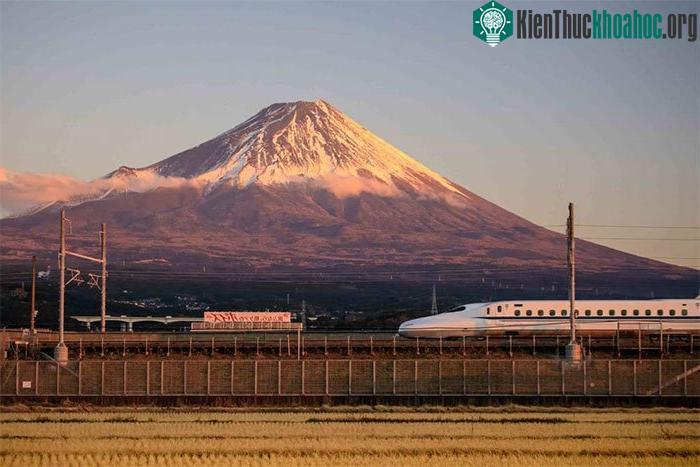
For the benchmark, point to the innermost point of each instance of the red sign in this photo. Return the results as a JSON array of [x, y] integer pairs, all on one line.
[[247, 317]]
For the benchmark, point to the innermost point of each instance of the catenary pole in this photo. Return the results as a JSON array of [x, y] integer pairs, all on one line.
[[32, 311], [62, 277], [572, 274], [103, 308], [573, 349], [61, 351]]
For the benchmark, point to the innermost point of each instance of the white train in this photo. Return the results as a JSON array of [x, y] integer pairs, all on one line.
[[527, 317]]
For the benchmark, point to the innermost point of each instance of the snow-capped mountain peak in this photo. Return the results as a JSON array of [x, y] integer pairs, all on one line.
[[291, 142]]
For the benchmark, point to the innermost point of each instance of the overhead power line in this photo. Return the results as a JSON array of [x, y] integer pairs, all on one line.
[[641, 238], [474, 272], [687, 227], [673, 257]]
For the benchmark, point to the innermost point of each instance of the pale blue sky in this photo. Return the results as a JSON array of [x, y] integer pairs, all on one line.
[[611, 125]]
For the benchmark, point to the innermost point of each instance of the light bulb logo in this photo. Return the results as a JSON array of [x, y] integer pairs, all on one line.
[[493, 23]]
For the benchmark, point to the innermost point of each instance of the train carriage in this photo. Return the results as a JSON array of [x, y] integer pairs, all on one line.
[[542, 317]]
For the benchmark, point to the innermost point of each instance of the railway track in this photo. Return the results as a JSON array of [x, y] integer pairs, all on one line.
[[339, 344]]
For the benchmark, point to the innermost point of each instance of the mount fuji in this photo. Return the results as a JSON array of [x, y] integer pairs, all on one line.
[[302, 187], [300, 142]]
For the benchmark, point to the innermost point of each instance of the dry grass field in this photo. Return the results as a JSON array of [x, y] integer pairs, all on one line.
[[350, 436]]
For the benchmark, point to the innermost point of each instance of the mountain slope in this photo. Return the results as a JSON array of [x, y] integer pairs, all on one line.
[[301, 186]]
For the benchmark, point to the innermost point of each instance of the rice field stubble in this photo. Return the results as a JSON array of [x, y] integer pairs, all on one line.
[[350, 437]]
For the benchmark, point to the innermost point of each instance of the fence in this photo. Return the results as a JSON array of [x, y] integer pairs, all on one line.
[[351, 377]]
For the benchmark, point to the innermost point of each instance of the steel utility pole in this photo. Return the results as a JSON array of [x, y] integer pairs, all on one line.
[[32, 311], [572, 273], [61, 351], [573, 349], [103, 298]]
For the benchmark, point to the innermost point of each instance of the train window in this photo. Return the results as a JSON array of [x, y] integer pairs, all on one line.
[[588, 312], [529, 312], [458, 308], [499, 308], [672, 312], [611, 312], [623, 312], [647, 312], [552, 312], [517, 312], [684, 312], [540, 312], [599, 312], [488, 310], [563, 312], [659, 312], [636, 312]]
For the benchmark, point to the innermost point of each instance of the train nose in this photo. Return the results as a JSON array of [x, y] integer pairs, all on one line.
[[407, 329], [420, 327], [432, 328]]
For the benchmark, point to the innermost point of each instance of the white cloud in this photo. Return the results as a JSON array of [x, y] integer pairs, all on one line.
[[20, 191], [349, 186]]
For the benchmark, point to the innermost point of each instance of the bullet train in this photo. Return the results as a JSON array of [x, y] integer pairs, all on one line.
[[527, 317]]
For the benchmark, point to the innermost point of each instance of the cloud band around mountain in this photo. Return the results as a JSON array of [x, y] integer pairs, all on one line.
[[20, 191]]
